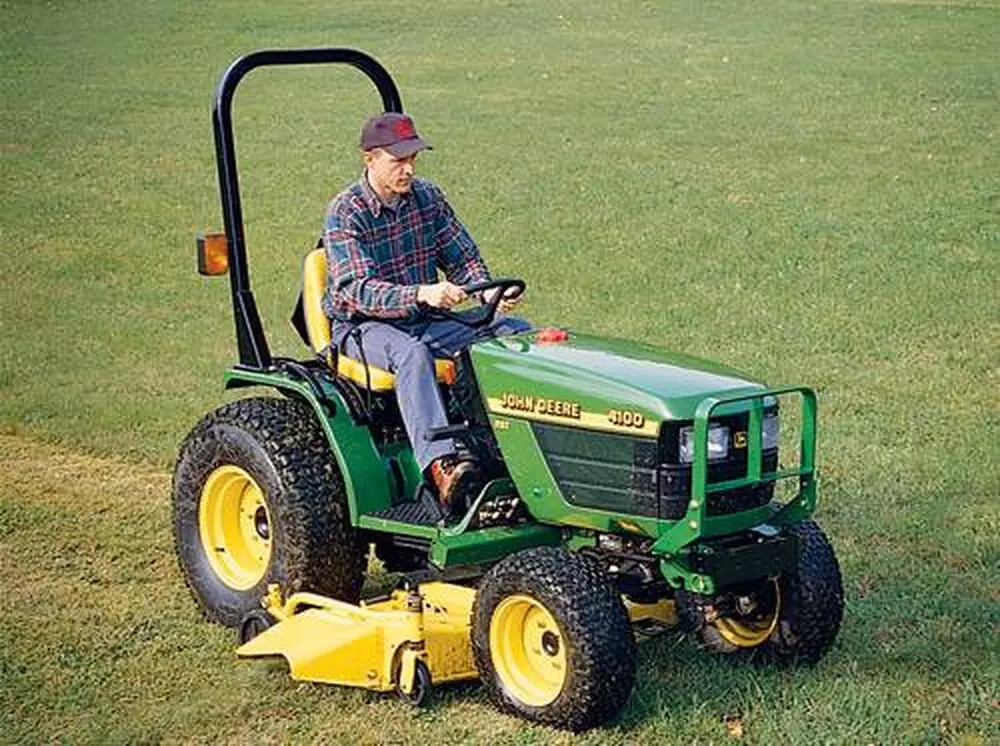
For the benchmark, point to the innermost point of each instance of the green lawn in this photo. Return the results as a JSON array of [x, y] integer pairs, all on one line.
[[806, 191]]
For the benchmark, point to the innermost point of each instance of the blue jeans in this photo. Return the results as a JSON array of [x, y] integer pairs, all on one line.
[[408, 349]]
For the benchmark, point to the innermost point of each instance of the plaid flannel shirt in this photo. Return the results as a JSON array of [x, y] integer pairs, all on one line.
[[377, 255]]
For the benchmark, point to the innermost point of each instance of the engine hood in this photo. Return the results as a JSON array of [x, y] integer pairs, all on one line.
[[596, 382]]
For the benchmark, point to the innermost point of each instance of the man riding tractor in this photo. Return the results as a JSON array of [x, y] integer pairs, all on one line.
[[386, 236]]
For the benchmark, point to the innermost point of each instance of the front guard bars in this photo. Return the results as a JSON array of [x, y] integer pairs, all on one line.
[[698, 524]]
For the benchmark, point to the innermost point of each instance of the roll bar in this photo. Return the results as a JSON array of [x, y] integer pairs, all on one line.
[[250, 337]]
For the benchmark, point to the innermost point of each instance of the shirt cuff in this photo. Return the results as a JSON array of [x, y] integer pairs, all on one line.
[[408, 297]]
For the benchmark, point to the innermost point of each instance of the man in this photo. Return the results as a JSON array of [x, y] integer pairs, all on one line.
[[386, 237]]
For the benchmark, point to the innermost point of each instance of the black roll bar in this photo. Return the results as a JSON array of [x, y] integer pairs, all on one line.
[[249, 331]]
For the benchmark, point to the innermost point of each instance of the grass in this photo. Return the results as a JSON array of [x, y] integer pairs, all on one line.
[[807, 192]]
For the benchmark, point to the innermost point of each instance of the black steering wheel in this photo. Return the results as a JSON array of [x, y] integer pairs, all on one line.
[[484, 315]]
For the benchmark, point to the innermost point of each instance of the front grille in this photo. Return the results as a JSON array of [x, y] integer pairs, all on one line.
[[676, 487], [634, 476], [601, 470]]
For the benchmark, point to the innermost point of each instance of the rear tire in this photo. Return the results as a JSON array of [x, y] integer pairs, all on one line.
[[258, 499], [798, 615], [552, 639]]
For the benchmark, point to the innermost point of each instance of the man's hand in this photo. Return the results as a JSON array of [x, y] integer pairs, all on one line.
[[506, 304], [440, 295]]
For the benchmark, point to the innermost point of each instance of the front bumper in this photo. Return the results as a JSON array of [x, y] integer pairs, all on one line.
[[741, 558]]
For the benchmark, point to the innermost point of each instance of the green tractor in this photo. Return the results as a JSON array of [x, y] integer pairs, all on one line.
[[626, 489]]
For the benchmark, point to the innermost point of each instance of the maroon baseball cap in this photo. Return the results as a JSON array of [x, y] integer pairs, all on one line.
[[392, 132]]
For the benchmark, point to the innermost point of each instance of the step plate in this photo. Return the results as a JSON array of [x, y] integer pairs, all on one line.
[[416, 514]]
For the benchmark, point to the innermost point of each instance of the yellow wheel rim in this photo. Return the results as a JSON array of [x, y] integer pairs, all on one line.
[[528, 651], [235, 527], [752, 629]]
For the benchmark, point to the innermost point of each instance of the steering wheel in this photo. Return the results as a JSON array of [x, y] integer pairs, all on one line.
[[484, 315]]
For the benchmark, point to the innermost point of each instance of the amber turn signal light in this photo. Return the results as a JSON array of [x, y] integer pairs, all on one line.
[[213, 254]]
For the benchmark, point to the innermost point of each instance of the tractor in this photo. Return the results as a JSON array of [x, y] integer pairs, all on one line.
[[626, 489]]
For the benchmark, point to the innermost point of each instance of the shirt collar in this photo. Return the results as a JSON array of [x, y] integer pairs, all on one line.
[[374, 202]]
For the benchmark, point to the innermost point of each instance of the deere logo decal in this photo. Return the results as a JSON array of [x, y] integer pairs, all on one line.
[[568, 412], [739, 440], [540, 405]]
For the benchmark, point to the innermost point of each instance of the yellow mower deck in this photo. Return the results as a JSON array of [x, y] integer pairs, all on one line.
[[378, 645], [375, 645]]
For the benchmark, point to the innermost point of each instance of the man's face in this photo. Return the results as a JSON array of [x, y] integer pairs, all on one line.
[[388, 173]]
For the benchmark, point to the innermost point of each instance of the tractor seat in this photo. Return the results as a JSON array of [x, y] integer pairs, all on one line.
[[318, 330]]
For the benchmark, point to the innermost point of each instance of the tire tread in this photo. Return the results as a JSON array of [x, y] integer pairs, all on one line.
[[594, 626], [320, 551], [811, 612]]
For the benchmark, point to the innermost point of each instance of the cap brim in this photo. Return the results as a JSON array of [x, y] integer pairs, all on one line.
[[405, 148]]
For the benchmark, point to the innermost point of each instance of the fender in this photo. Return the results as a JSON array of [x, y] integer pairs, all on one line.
[[359, 461]]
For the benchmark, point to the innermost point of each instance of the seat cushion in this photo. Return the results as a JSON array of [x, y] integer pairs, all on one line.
[[383, 380]]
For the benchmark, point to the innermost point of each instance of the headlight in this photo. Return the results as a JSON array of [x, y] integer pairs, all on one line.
[[770, 432], [718, 443]]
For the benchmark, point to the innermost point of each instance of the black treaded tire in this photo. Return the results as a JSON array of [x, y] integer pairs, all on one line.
[[810, 613], [279, 444], [592, 623], [420, 695]]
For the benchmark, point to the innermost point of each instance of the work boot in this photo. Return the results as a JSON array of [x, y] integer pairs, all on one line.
[[453, 479]]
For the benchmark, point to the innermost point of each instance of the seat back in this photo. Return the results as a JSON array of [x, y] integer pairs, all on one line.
[[313, 290]]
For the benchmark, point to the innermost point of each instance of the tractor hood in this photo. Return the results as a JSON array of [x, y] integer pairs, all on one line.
[[597, 383]]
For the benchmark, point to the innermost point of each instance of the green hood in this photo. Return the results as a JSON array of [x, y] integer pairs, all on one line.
[[600, 375]]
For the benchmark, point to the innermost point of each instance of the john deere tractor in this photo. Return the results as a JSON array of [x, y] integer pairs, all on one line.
[[626, 488]]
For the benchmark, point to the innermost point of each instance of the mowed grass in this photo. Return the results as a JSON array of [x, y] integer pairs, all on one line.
[[809, 192], [101, 644]]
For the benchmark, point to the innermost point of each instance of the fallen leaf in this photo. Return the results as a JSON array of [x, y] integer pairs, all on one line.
[[734, 725]]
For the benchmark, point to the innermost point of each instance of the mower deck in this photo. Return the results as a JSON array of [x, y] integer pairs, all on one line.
[[376, 645]]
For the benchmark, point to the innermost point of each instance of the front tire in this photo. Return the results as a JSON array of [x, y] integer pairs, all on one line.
[[257, 499], [552, 639], [794, 618]]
